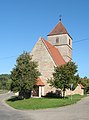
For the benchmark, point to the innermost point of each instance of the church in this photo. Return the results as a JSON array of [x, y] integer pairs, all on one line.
[[55, 51]]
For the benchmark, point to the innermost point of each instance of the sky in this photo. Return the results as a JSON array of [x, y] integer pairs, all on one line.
[[22, 22]]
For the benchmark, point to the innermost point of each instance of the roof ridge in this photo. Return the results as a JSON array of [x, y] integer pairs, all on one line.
[[39, 82], [47, 47], [58, 29], [54, 52]]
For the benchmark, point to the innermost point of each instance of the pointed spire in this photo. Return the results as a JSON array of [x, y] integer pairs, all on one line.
[[59, 29]]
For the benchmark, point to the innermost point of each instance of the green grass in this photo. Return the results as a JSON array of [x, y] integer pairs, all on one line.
[[42, 103]]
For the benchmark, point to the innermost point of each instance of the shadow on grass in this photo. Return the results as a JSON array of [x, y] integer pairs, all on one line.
[[54, 95], [14, 98], [50, 95]]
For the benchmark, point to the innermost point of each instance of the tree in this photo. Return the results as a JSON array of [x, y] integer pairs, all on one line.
[[64, 76], [85, 82], [5, 81], [24, 75]]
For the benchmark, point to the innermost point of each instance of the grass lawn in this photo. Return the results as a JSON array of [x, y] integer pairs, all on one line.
[[42, 103]]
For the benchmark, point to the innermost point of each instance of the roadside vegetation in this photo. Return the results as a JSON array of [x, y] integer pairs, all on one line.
[[5, 83], [85, 82], [3, 91], [42, 103]]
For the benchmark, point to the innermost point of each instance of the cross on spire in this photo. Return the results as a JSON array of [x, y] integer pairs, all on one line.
[[60, 17]]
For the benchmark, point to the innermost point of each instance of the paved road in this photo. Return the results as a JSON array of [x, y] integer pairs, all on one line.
[[79, 111], [8, 113]]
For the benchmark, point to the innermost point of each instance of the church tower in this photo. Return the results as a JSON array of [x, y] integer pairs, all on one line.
[[60, 38]]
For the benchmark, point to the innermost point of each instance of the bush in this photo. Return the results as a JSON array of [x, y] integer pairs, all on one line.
[[56, 94]]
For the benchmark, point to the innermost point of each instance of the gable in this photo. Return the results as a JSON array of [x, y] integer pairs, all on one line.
[[44, 48], [47, 57], [54, 52], [41, 55], [39, 82], [59, 29]]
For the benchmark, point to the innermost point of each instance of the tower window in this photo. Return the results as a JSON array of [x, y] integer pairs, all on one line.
[[69, 42], [57, 40]]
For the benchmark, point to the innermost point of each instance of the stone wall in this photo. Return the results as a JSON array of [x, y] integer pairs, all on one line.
[[78, 90], [45, 63]]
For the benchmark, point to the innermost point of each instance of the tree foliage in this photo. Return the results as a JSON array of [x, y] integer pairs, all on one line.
[[64, 76], [5, 81], [24, 75], [85, 82]]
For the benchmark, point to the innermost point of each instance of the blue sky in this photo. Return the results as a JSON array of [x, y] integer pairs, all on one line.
[[22, 22]]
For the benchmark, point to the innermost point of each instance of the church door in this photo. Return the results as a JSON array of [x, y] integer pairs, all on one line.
[[36, 91]]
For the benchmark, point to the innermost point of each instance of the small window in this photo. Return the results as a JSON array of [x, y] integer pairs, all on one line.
[[57, 40], [69, 42]]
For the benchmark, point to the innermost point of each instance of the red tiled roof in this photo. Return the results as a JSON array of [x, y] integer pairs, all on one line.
[[59, 29], [39, 82], [55, 54]]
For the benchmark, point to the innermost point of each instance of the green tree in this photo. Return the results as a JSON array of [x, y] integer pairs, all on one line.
[[4, 79], [8, 84], [24, 75], [64, 76], [85, 82]]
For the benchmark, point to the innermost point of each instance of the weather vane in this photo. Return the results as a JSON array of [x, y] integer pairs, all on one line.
[[60, 17]]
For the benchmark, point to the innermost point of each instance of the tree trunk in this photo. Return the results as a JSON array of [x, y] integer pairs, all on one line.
[[64, 89]]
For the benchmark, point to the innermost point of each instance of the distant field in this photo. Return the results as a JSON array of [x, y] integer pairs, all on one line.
[[3, 91], [42, 103]]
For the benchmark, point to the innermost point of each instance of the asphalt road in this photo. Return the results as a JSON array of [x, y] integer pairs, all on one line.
[[8, 113], [79, 111]]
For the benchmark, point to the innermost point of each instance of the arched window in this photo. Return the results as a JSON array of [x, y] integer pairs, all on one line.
[[57, 40]]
